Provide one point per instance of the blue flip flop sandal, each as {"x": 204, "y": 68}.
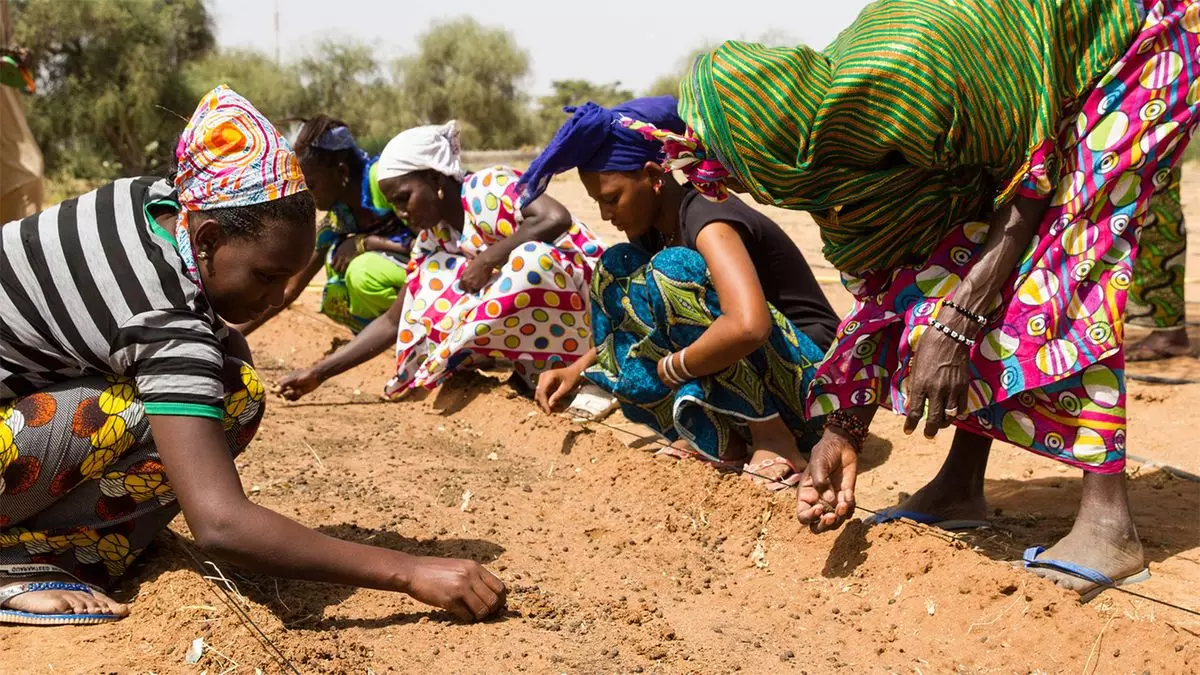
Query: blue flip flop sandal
{"x": 31, "y": 619}
{"x": 1103, "y": 583}
{"x": 896, "y": 513}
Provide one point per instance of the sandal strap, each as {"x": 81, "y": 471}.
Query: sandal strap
{"x": 13, "y": 590}
{"x": 768, "y": 463}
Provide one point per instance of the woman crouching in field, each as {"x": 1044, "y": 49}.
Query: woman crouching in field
{"x": 116, "y": 372}
{"x": 709, "y": 324}
{"x": 487, "y": 280}
{"x": 361, "y": 244}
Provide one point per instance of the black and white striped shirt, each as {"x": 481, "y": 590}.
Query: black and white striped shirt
{"x": 94, "y": 286}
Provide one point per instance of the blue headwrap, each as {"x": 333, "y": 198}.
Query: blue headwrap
{"x": 594, "y": 140}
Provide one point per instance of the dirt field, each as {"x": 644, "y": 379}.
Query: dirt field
{"x": 619, "y": 562}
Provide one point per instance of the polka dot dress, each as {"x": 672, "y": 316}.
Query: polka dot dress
{"x": 533, "y": 313}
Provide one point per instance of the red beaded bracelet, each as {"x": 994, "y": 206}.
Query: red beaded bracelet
{"x": 855, "y": 428}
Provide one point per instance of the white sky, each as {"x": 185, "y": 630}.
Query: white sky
{"x": 633, "y": 41}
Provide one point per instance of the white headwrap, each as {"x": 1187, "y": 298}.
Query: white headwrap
{"x": 429, "y": 147}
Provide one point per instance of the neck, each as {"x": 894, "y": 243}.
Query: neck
{"x": 667, "y": 222}
{"x": 351, "y": 196}
{"x": 452, "y": 208}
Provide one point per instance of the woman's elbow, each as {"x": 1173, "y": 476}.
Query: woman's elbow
{"x": 754, "y": 332}
{"x": 218, "y": 534}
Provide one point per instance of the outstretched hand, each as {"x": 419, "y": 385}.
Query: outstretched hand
{"x": 297, "y": 383}
{"x": 552, "y": 385}
{"x": 825, "y": 498}
{"x": 463, "y": 587}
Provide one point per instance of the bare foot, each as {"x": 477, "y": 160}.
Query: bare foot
{"x": 1160, "y": 344}
{"x": 60, "y": 602}
{"x": 776, "y": 458}
{"x": 956, "y": 492}
{"x": 946, "y": 501}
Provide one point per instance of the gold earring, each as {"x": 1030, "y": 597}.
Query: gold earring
{"x": 203, "y": 255}
{"x": 441, "y": 194}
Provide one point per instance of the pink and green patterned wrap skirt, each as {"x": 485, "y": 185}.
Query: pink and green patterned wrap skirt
{"x": 1048, "y": 373}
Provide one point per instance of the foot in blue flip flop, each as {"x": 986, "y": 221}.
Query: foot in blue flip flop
{"x": 1100, "y": 582}
{"x": 55, "y": 600}
{"x": 949, "y": 524}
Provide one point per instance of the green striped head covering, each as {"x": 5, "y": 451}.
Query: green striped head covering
{"x": 921, "y": 115}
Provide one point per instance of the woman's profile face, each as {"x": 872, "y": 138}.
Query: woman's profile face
{"x": 414, "y": 197}
{"x": 245, "y": 276}
{"x": 627, "y": 199}
{"x": 324, "y": 182}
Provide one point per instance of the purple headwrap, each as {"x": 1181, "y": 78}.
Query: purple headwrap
{"x": 595, "y": 140}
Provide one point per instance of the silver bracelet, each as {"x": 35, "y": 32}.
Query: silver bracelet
{"x": 683, "y": 364}
{"x": 672, "y": 378}
{"x": 955, "y": 335}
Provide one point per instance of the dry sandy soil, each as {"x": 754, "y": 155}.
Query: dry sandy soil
{"x": 620, "y": 562}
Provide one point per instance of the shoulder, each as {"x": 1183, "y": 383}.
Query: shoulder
{"x": 493, "y": 180}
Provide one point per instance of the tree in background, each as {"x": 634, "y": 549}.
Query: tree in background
{"x": 345, "y": 81}
{"x": 108, "y": 74}
{"x": 550, "y": 115}
{"x": 466, "y": 71}
{"x": 669, "y": 84}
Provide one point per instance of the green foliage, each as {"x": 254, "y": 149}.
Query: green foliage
{"x": 118, "y": 79}
{"x": 549, "y": 116}
{"x": 108, "y": 72}
{"x": 668, "y": 85}
{"x": 466, "y": 71}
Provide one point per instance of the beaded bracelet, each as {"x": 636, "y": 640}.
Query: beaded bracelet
{"x": 955, "y": 335}
{"x": 855, "y": 428}
{"x": 977, "y": 318}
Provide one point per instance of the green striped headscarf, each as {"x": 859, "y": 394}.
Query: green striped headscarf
{"x": 920, "y": 115}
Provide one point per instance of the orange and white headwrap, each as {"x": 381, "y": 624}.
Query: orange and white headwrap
{"x": 231, "y": 155}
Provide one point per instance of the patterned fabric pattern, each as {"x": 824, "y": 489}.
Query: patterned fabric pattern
{"x": 1048, "y": 373}
{"x": 81, "y": 483}
{"x": 685, "y": 153}
{"x": 1156, "y": 297}
{"x": 231, "y": 155}
{"x": 533, "y": 314}
{"x": 644, "y": 308}
{"x": 917, "y": 118}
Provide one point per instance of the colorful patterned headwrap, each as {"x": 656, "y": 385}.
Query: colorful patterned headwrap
{"x": 684, "y": 152}
{"x": 231, "y": 155}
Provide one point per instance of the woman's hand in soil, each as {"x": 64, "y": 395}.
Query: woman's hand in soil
{"x": 825, "y": 498}
{"x": 463, "y": 587}
{"x": 343, "y": 254}
{"x": 940, "y": 377}
{"x": 297, "y": 383}
{"x": 552, "y": 385}
{"x": 480, "y": 270}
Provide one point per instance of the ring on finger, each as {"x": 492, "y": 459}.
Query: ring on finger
{"x": 952, "y": 412}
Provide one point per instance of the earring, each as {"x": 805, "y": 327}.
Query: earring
{"x": 203, "y": 255}
{"x": 657, "y": 186}
{"x": 441, "y": 194}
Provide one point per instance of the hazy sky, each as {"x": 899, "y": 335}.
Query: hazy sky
{"x": 565, "y": 38}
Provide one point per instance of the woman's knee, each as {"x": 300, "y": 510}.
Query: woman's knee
{"x": 681, "y": 264}
{"x": 245, "y": 400}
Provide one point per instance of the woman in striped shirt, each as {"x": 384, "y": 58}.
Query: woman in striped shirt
{"x": 115, "y": 372}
